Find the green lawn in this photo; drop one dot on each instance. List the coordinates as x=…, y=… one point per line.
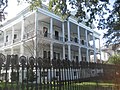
x=68, y=86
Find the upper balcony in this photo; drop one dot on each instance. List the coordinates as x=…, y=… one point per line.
x=1, y=39
x=59, y=38
x=1, y=44
x=8, y=36
x=17, y=36
x=29, y=34
x=55, y=37
x=8, y=43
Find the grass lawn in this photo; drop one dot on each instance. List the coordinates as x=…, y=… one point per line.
x=68, y=86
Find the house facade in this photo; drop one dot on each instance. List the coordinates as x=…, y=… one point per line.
x=43, y=34
x=111, y=50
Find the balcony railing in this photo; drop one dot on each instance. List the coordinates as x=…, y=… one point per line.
x=1, y=44
x=47, y=35
x=29, y=34
x=74, y=40
x=16, y=40
x=8, y=43
x=59, y=38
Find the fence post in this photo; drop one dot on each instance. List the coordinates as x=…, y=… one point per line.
x=23, y=63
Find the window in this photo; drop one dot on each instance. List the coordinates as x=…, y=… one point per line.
x=75, y=74
x=82, y=42
x=54, y=55
x=45, y=31
x=57, y=73
x=6, y=38
x=83, y=58
x=48, y=54
x=76, y=40
x=44, y=54
x=15, y=36
x=56, y=35
x=66, y=56
x=58, y=55
x=66, y=38
x=77, y=59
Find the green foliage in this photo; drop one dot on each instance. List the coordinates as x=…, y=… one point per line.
x=14, y=76
x=112, y=23
x=115, y=59
x=83, y=8
x=88, y=11
x=33, y=3
x=31, y=75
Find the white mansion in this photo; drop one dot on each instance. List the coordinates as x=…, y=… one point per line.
x=43, y=33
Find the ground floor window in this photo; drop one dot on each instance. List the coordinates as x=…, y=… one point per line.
x=45, y=54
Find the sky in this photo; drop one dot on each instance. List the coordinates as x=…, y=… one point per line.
x=13, y=8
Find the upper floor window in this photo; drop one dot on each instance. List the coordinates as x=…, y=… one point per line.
x=44, y=54
x=7, y=38
x=15, y=36
x=45, y=31
x=48, y=54
x=56, y=35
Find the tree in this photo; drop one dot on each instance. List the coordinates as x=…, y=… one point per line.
x=115, y=59
x=41, y=42
x=31, y=75
x=112, y=23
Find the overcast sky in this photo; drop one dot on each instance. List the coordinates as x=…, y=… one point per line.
x=13, y=8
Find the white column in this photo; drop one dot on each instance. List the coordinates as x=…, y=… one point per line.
x=100, y=51
x=4, y=37
x=13, y=30
x=4, y=52
x=94, y=48
x=68, y=27
x=36, y=33
x=87, y=55
x=51, y=27
x=69, y=52
x=22, y=49
x=35, y=47
x=63, y=31
x=86, y=37
x=78, y=31
x=41, y=53
x=79, y=51
x=51, y=51
x=22, y=30
x=12, y=51
x=63, y=51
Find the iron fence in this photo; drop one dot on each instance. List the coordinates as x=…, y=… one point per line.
x=23, y=73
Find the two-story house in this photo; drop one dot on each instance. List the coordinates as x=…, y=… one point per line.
x=45, y=34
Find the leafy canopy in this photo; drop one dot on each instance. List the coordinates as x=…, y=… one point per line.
x=112, y=23
x=115, y=59
x=88, y=11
